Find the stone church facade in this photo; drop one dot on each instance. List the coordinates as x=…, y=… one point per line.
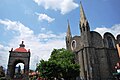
x=96, y=55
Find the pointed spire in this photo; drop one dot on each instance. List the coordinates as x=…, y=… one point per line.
x=84, y=25
x=68, y=30
x=68, y=37
x=82, y=14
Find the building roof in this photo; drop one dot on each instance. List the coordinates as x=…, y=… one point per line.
x=21, y=48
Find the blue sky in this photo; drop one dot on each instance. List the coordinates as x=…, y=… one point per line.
x=42, y=24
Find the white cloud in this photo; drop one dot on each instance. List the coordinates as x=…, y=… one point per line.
x=115, y=30
x=3, y=55
x=40, y=45
x=42, y=29
x=64, y=6
x=42, y=17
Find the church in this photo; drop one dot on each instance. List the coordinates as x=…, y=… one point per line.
x=96, y=55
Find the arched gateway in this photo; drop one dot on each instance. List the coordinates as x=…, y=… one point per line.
x=19, y=55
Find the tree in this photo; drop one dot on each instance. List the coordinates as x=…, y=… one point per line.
x=48, y=69
x=61, y=64
x=2, y=72
x=65, y=59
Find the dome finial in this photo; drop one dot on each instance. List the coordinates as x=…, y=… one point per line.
x=22, y=42
x=22, y=45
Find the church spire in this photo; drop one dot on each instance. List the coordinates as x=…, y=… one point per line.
x=68, y=37
x=82, y=14
x=84, y=25
x=68, y=31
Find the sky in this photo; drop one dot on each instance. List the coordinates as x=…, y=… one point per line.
x=42, y=24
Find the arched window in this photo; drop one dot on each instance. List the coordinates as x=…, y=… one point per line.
x=87, y=25
x=110, y=42
x=83, y=27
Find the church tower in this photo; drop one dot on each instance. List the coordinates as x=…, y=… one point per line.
x=96, y=55
x=84, y=27
x=68, y=37
x=84, y=54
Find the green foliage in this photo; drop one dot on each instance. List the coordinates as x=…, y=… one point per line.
x=60, y=64
x=48, y=69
